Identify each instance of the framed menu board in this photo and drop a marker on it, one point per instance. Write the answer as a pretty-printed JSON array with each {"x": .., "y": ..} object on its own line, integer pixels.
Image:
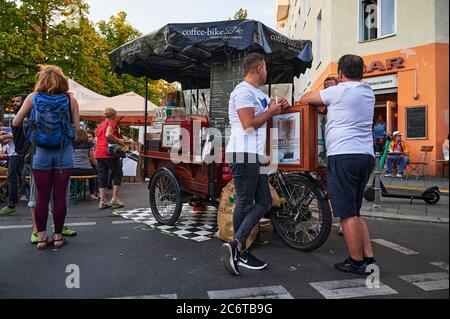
[
  {"x": 287, "y": 145},
  {"x": 225, "y": 76},
  {"x": 293, "y": 146},
  {"x": 171, "y": 136},
  {"x": 416, "y": 122}
]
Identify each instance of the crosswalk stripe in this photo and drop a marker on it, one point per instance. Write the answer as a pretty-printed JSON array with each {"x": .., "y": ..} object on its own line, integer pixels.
[
  {"x": 352, "y": 288},
  {"x": 440, "y": 265},
  {"x": 15, "y": 226},
  {"x": 167, "y": 296},
  {"x": 396, "y": 247},
  {"x": 269, "y": 292},
  {"x": 429, "y": 281}
]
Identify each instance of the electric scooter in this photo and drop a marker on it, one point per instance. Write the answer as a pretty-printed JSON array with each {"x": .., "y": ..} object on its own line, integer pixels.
[{"x": 431, "y": 195}]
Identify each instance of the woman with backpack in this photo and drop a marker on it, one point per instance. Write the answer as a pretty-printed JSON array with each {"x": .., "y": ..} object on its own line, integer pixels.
[
  {"x": 107, "y": 133},
  {"x": 53, "y": 120}
]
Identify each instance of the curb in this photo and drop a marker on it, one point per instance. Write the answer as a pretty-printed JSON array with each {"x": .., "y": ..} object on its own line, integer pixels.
[
  {"x": 396, "y": 216},
  {"x": 444, "y": 192}
]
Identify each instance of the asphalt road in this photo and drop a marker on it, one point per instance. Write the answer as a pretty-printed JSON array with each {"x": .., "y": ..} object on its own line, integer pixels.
[{"x": 117, "y": 258}]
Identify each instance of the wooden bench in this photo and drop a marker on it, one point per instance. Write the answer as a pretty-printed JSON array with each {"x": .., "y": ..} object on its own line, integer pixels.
[
  {"x": 79, "y": 187},
  {"x": 3, "y": 180}
]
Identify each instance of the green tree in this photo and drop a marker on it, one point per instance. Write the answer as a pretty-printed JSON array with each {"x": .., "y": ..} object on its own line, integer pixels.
[
  {"x": 36, "y": 32},
  {"x": 240, "y": 14},
  {"x": 116, "y": 32}
]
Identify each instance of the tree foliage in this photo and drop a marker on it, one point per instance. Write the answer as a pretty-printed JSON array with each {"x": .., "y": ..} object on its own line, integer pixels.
[
  {"x": 35, "y": 32},
  {"x": 240, "y": 14}
]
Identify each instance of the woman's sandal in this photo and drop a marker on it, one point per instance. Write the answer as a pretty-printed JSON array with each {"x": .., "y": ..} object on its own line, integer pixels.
[
  {"x": 43, "y": 244},
  {"x": 58, "y": 243}
]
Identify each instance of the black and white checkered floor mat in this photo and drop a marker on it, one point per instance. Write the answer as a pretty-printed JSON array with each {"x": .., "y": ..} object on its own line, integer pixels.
[{"x": 197, "y": 226}]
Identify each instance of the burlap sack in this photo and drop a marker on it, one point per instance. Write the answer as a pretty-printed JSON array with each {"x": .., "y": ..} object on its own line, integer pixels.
[{"x": 225, "y": 214}]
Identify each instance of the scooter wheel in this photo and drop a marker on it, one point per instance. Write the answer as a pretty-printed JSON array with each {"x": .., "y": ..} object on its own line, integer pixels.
[
  {"x": 369, "y": 194},
  {"x": 431, "y": 197}
]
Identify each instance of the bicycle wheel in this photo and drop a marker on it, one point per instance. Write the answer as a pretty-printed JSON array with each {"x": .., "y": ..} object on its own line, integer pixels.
[
  {"x": 304, "y": 220},
  {"x": 165, "y": 198}
]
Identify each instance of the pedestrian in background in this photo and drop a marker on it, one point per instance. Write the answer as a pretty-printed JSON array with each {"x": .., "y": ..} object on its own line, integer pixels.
[
  {"x": 84, "y": 160},
  {"x": 107, "y": 132},
  {"x": 17, "y": 147}
]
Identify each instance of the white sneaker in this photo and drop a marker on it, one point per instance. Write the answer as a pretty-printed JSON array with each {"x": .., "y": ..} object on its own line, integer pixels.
[
  {"x": 399, "y": 175},
  {"x": 387, "y": 175}
]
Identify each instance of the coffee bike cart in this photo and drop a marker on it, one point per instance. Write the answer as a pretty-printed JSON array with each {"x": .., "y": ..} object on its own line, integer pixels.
[{"x": 207, "y": 60}]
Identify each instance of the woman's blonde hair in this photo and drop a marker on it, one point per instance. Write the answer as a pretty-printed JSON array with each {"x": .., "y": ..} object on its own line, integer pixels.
[
  {"x": 109, "y": 113},
  {"x": 81, "y": 136},
  {"x": 51, "y": 80}
]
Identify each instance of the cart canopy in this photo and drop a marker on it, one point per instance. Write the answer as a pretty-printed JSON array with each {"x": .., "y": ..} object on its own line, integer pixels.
[{"x": 184, "y": 52}]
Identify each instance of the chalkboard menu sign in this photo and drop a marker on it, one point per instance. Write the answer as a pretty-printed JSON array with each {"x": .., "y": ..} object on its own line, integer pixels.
[
  {"x": 416, "y": 122},
  {"x": 224, "y": 78}
]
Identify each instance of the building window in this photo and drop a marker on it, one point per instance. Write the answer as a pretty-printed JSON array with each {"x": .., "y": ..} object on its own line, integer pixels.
[
  {"x": 319, "y": 38},
  {"x": 377, "y": 19}
]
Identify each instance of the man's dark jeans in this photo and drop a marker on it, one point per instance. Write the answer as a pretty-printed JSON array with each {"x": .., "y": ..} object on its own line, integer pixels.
[
  {"x": 253, "y": 197},
  {"x": 15, "y": 166}
]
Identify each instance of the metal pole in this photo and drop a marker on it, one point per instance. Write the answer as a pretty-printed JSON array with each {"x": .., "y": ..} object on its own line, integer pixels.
[
  {"x": 377, "y": 184},
  {"x": 145, "y": 128}
]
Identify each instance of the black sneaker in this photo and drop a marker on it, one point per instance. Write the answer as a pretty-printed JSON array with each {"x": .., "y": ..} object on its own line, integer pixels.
[
  {"x": 348, "y": 266},
  {"x": 247, "y": 260},
  {"x": 230, "y": 254}
]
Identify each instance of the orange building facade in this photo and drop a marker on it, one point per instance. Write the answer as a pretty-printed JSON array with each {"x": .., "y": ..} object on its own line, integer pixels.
[{"x": 412, "y": 95}]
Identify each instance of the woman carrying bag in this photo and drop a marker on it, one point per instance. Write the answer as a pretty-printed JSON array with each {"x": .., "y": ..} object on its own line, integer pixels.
[{"x": 107, "y": 160}]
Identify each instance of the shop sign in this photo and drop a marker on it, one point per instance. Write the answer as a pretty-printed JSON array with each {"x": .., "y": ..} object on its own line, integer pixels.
[
  {"x": 382, "y": 82},
  {"x": 390, "y": 64}
]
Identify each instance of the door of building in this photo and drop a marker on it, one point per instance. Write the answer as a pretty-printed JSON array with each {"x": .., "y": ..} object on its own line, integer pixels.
[{"x": 391, "y": 116}]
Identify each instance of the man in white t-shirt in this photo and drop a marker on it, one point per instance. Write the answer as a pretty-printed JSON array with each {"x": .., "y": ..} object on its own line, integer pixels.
[
  {"x": 249, "y": 111},
  {"x": 350, "y": 156}
]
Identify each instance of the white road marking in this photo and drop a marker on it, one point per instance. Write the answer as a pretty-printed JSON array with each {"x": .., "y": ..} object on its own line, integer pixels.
[
  {"x": 269, "y": 292},
  {"x": 168, "y": 296},
  {"x": 81, "y": 224},
  {"x": 353, "y": 288},
  {"x": 15, "y": 226},
  {"x": 440, "y": 265},
  {"x": 116, "y": 222},
  {"x": 429, "y": 281},
  {"x": 30, "y": 226},
  {"x": 396, "y": 247}
]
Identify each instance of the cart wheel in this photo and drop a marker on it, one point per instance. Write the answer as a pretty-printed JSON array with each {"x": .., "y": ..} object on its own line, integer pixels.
[
  {"x": 304, "y": 220},
  {"x": 165, "y": 198},
  {"x": 369, "y": 194},
  {"x": 431, "y": 197}
]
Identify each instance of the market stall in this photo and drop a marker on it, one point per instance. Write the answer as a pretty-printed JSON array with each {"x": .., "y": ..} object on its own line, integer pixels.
[
  {"x": 129, "y": 106},
  {"x": 207, "y": 60}
]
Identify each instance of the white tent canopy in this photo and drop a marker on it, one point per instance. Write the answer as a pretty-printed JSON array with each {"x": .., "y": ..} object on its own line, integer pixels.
[
  {"x": 82, "y": 94},
  {"x": 128, "y": 104}
]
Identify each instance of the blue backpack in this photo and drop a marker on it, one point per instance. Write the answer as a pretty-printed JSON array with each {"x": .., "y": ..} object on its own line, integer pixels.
[{"x": 50, "y": 124}]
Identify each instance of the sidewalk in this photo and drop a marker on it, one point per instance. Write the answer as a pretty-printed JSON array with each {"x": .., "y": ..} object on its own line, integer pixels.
[{"x": 395, "y": 208}]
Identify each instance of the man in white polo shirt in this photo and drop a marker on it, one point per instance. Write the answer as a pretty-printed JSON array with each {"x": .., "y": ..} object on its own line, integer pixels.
[
  {"x": 249, "y": 111},
  {"x": 350, "y": 156}
]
